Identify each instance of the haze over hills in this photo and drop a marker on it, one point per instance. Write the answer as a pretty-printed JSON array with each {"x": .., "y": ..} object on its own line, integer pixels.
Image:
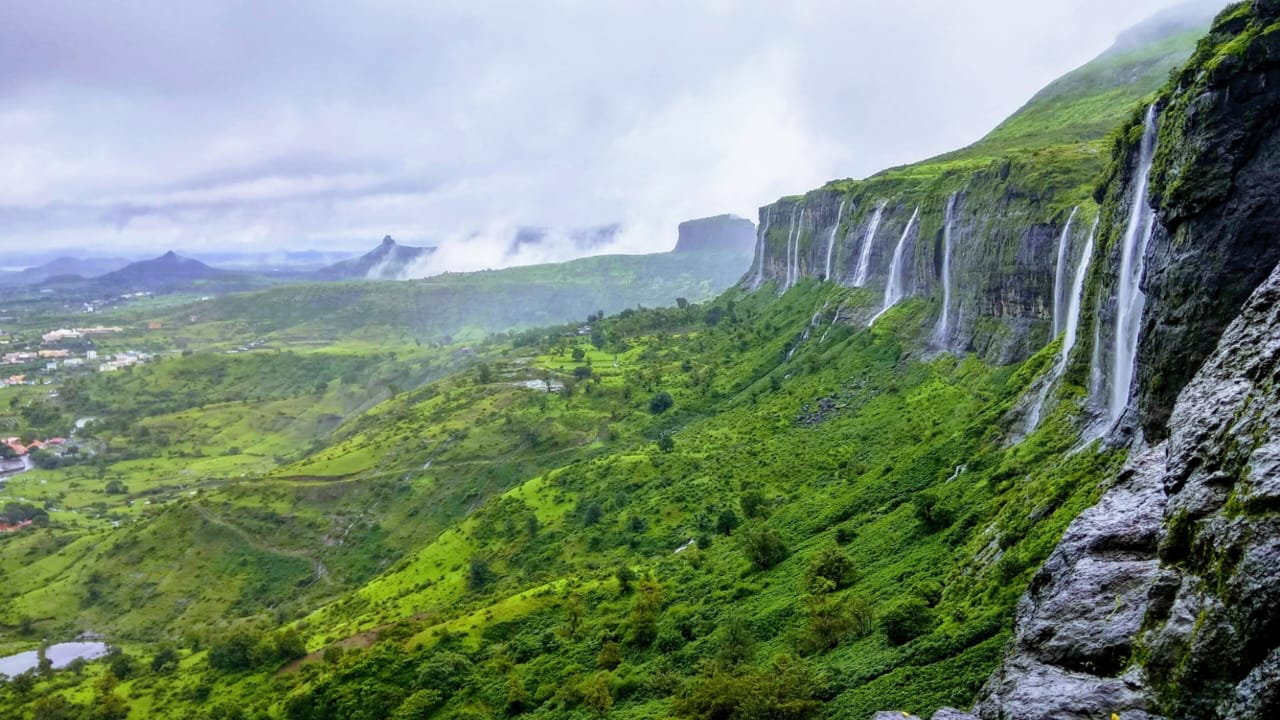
[
  {"x": 388, "y": 261},
  {"x": 992, "y": 436}
]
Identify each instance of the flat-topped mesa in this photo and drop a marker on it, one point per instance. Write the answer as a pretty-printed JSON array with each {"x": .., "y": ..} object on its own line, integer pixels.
[{"x": 722, "y": 233}]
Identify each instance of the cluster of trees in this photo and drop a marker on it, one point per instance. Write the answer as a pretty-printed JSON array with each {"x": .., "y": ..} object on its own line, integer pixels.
[{"x": 249, "y": 649}]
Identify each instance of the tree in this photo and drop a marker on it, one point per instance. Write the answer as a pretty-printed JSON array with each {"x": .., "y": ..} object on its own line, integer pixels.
[
  {"x": 682, "y": 303},
  {"x": 115, "y": 487},
  {"x": 763, "y": 546},
  {"x": 484, "y": 375},
  {"x": 165, "y": 660},
  {"x": 54, "y": 707},
  {"x": 735, "y": 642},
  {"x": 645, "y": 612},
  {"x": 595, "y": 694},
  {"x": 591, "y": 514},
  {"x": 829, "y": 619},
  {"x": 661, "y": 402},
  {"x": 234, "y": 652},
  {"x": 478, "y": 574},
  {"x": 752, "y": 503},
  {"x": 575, "y": 611},
  {"x": 582, "y": 372},
  {"x": 930, "y": 511},
  {"x": 727, "y": 522},
  {"x": 625, "y": 576},
  {"x": 831, "y": 566},
  {"x": 666, "y": 443},
  {"x": 578, "y": 354}
]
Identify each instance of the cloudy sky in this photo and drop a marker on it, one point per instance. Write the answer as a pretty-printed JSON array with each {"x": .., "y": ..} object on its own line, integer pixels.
[{"x": 132, "y": 127}]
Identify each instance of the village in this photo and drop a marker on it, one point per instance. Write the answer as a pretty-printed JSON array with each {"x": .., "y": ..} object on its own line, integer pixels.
[{"x": 48, "y": 358}]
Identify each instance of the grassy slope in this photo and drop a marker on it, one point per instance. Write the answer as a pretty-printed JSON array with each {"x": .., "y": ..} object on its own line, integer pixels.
[
  {"x": 471, "y": 305},
  {"x": 408, "y": 494}
]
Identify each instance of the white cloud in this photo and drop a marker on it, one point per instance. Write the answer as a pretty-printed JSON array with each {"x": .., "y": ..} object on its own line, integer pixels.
[{"x": 308, "y": 124}]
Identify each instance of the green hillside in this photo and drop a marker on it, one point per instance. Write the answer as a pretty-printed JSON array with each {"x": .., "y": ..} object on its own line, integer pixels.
[{"x": 450, "y": 498}]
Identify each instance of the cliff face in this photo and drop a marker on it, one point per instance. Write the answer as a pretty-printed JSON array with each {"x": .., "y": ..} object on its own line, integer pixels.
[
  {"x": 1163, "y": 600},
  {"x": 1014, "y": 193}
]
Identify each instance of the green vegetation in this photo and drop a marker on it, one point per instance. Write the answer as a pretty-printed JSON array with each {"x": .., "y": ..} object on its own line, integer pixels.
[{"x": 363, "y": 500}]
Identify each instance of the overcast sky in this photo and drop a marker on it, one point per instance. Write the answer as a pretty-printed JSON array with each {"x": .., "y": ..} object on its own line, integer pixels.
[{"x": 242, "y": 124}]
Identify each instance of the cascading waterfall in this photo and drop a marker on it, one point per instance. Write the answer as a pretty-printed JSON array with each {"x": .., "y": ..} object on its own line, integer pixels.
[
  {"x": 791, "y": 231},
  {"x": 895, "y": 287},
  {"x": 1060, "y": 277},
  {"x": 831, "y": 241},
  {"x": 1130, "y": 299},
  {"x": 795, "y": 255},
  {"x": 760, "y": 242},
  {"x": 864, "y": 257},
  {"x": 814, "y": 322},
  {"x": 1071, "y": 328},
  {"x": 944, "y": 322},
  {"x": 834, "y": 318}
]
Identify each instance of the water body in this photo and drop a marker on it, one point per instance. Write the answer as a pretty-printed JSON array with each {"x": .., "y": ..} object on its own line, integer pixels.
[
  {"x": 895, "y": 287},
  {"x": 60, "y": 654},
  {"x": 944, "y": 322},
  {"x": 831, "y": 241},
  {"x": 864, "y": 258},
  {"x": 1060, "y": 277},
  {"x": 1130, "y": 299}
]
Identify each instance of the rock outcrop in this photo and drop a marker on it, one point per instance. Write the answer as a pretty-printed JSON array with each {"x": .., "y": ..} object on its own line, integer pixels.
[
  {"x": 1164, "y": 598},
  {"x": 722, "y": 233}
]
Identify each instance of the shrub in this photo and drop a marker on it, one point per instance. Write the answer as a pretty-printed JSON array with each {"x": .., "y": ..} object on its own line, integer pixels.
[
  {"x": 906, "y": 620},
  {"x": 830, "y": 619},
  {"x": 661, "y": 403},
  {"x": 831, "y": 566},
  {"x": 763, "y": 546}
]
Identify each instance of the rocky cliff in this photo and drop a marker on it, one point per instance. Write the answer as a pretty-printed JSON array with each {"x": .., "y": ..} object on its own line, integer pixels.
[
  {"x": 1163, "y": 600},
  {"x": 1014, "y": 191}
]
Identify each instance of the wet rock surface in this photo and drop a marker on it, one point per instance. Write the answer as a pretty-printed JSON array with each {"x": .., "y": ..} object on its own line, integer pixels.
[{"x": 1163, "y": 600}]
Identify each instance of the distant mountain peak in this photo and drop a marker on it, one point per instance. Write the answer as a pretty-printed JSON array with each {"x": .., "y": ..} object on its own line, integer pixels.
[{"x": 389, "y": 261}]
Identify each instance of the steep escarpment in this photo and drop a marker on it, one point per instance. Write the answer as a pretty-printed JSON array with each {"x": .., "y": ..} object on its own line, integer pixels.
[
  {"x": 1011, "y": 197},
  {"x": 1161, "y": 600}
]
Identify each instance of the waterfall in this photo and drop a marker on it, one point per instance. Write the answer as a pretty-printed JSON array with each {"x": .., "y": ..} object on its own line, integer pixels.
[
  {"x": 795, "y": 256},
  {"x": 791, "y": 231},
  {"x": 834, "y": 318},
  {"x": 864, "y": 257},
  {"x": 1071, "y": 328},
  {"x": 760, "y": 245},
  {"x": 1130, "y": 298},
  {"x": 895, "y": 287},
  {"x": 814, "y": 322},
  {"x": 831, "y": 241},
  {"x": 944, "y": 324},
  {"x": 1060, "y": 276}
]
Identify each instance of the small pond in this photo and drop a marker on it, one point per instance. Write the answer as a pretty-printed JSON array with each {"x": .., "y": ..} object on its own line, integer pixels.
[{"x": 61, "y": 654}]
